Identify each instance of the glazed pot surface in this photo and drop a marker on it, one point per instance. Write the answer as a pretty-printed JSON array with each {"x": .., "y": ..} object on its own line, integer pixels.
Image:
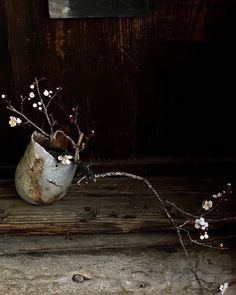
[{"x": 37, "y": 170}]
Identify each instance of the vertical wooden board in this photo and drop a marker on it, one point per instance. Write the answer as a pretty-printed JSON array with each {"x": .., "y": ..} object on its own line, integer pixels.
[
  {"x": 5, "y": 69},
  {"x": 140, "y": 83},
  {"x": 7, "y": 140},
  {"x": 102, "y": 57}
]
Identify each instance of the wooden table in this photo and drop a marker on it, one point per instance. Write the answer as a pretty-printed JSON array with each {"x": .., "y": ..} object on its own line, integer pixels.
[{"x": 101, "y": 214}]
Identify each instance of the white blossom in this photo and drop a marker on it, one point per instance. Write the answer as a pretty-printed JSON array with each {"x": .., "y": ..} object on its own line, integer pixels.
[
  {"x": 207, "y": 205},
  {"x": 3, "y": 96},
  {"x": 204, "y": 236},
  {"x": 32, "y": 86},
  {"x": 223, "y": 288},
  {"x": 45, "y": 93},
  {"x": 31, "y": 95},
  {"x": 14, "y": 121},
  {"x": 65, "y": 159},
  {"x": 201, "y": 223},
  {"x": 218, "y": 195},
  {"x": 38, "y": 105}
]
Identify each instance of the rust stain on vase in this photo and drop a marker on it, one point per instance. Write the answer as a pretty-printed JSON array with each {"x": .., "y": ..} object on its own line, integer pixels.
[
  {"x": 53, "y": 199},
  {"x": 35, "y": 173}
]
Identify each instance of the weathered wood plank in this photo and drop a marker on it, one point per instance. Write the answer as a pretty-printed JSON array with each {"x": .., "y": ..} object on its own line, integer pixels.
[
  {"x": 113, "y": 205},
  {"x": 81, "y": 243},
  {"x": 148, "y": 272}
]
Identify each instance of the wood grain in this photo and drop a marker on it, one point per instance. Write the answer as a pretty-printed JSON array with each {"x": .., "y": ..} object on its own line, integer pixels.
[
  {"x": 90, "y": 243},
  {"x": 130, "y": 271},
  {"x": 153, "y": 86},
  {"x": 110, "y": 206}
]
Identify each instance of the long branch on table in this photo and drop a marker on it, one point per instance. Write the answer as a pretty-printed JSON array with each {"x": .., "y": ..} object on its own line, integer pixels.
[
  {"x": 210, "y": 286},
  {"x": 179, "y": 209}
]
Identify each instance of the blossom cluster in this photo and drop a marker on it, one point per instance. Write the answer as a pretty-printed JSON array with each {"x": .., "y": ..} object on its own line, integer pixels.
[
  {"x": 209, "y": 204},
  {"x": 14, "y": 121},
  {"x": 40, "y": 99},
  {"x": 223, "y": 288},
  {"x": 32, "y": 95},
  {"x": 202, "y": 225}
]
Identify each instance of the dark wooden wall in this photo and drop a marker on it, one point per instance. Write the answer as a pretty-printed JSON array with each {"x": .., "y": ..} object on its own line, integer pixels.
[{"x": 157, "y": 86}]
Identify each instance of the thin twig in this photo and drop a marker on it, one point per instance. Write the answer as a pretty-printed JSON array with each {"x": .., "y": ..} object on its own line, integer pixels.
[
  {"x": 212, "y": 209},
  {"x": 44, "y": 106},
  {"x": 183, "y": 224},
  {"x": 66, "y": 136},
  {"x": 232, "y": 218},
  {"x": 52, "y": 97},
  {"x": 10, "y": 107},
  {"x": 202, "y": 244},
  {"x": 77, "y": 149},
  {"x": 180, "y": 210}
]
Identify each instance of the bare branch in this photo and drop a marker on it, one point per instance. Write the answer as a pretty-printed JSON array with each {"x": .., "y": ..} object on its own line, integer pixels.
[
  {"x": 180, "y": 210},
  {"x": 203, "y": 244},
  {"x": 10, "y": 107},
  {"x": 45, "y": 110}
]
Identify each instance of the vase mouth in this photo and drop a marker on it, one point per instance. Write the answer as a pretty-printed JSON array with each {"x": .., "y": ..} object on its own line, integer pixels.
[
  {"x": 49, "y": 147},
  {"x": 40, "y": 139}
]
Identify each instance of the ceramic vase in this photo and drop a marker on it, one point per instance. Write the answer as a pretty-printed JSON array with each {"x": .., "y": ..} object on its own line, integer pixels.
[{"x": 40, "y": 178}]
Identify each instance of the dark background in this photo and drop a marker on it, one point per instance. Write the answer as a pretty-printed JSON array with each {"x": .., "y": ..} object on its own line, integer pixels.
[{"x": 161, "y": 86}]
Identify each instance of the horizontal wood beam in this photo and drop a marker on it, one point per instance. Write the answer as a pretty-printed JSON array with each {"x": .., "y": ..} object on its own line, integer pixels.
[
  {"x": 114, "y": 205},
  {"x": 85, "y": 243}
]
